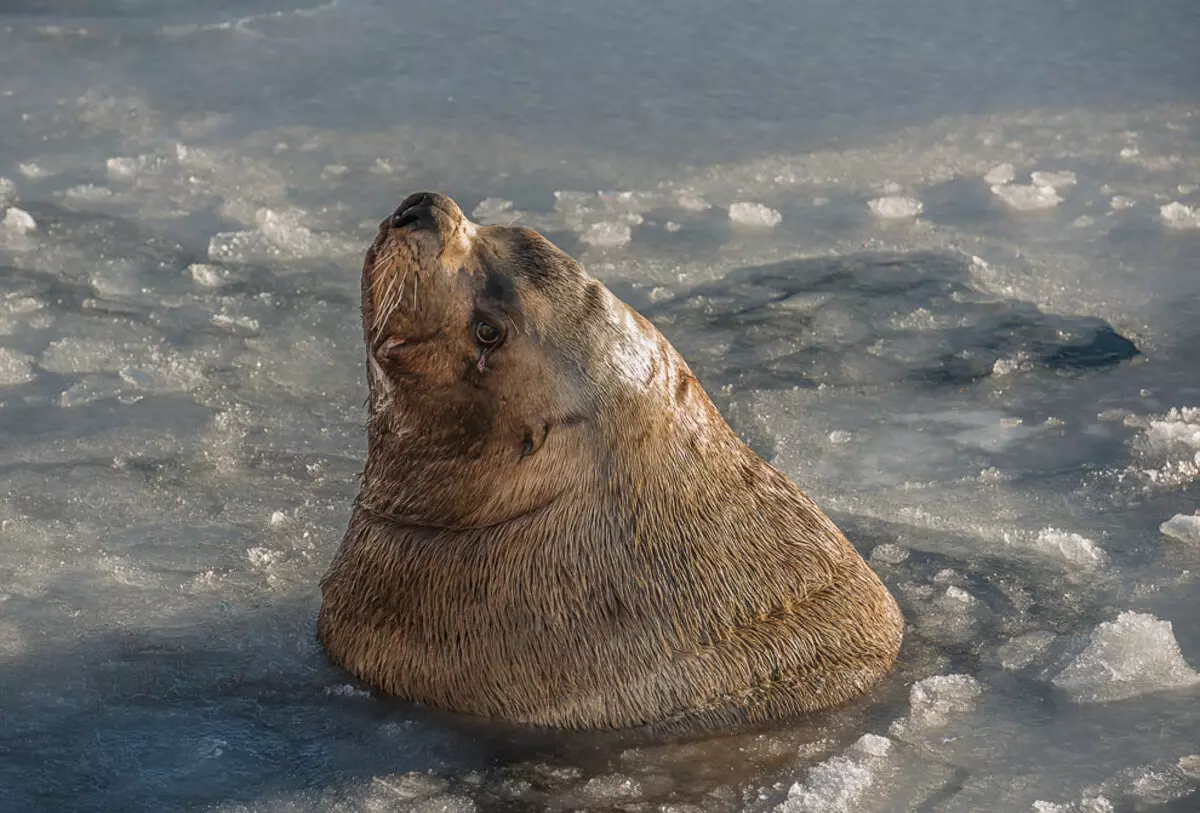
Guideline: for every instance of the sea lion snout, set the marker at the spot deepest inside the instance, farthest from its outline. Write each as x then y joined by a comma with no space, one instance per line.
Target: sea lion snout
432,214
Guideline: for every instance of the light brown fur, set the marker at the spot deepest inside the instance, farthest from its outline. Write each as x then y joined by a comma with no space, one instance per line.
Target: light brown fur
564,531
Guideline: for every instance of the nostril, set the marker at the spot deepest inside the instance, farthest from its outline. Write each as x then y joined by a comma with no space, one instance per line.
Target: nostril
405,218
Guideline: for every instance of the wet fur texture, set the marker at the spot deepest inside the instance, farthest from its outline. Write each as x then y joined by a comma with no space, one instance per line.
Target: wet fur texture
562,530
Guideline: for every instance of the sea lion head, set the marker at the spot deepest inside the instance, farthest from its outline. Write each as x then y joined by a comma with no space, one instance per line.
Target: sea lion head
488,350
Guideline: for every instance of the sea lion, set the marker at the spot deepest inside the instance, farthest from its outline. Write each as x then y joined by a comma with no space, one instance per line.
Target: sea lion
556,527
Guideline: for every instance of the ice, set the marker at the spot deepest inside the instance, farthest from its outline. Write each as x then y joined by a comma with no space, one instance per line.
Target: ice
1072,548
607,235
754,214
613,786
1088,804
1183,527
991,406
1180,216
15,368
838,784
1168,447
934,702
888,554
896,207
690,202
17,221
1027,197
1133,655
493,211
280,236
1055,180
1000,174
1019,652
210,276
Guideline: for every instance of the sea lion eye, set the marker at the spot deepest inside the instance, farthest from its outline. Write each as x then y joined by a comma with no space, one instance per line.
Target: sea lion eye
487,334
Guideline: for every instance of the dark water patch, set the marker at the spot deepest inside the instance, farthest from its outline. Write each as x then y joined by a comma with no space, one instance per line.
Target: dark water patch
871,319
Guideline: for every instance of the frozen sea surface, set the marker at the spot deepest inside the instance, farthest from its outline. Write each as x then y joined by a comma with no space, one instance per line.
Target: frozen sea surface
937,261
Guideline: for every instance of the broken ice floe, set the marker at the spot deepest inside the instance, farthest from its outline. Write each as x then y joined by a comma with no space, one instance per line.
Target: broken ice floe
1027,197
279,236
1000,174
690,202
754,214
1133,655
1168,448
1054,180
15,368
1179,216
895,207
934,701
1069,548
17,221
839,784
607,234
1020,651
1183,527
1087,804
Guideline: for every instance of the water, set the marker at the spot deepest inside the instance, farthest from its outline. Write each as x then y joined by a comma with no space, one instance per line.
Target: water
937,261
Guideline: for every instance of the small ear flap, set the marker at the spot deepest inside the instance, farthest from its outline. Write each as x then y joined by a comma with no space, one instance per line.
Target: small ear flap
391,346
535,438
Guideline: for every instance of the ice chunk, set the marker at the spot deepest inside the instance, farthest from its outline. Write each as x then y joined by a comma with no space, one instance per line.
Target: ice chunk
896,207
1189,766
210,276
15,368
888,554
87,192
491,211
1019,652
18,221
34,170
1180,216
8,191
1120,202
692,203
672,226
935,700
280,235
346,690
1183,527
1088,804
607,234
409,786
838,784
612,786
1027,198
1171,444
1133,655
1054,180
1001,174
1071,548
754,214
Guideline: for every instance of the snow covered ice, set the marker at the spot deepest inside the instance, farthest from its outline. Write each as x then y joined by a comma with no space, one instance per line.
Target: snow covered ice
953,296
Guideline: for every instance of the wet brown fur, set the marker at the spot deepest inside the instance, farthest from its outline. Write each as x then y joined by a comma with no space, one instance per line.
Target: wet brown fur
565,531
